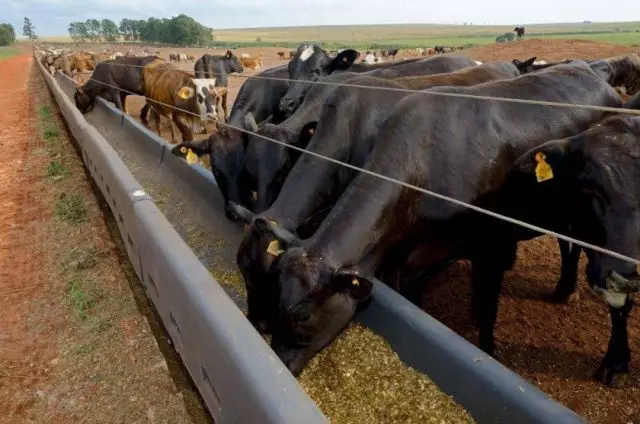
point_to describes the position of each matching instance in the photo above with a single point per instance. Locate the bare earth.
(74, 345)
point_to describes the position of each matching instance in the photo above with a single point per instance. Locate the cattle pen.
(241, 380)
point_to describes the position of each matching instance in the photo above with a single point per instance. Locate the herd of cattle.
(317, 232)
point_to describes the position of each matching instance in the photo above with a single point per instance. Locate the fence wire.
(421, 190)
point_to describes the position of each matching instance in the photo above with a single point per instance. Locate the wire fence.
(421, 190)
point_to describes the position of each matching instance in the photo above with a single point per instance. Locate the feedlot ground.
(77, 337)
(556, 347)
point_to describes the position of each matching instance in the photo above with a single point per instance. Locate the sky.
(52, 17)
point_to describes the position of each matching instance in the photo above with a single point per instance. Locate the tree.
(7, 34)
(28, 29)
(93, 28)
(126, 28)
(138, 28)
(78, 32)
(109, 30)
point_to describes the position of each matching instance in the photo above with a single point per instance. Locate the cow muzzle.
(618, 284)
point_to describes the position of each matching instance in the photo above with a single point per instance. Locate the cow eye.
(200, 98)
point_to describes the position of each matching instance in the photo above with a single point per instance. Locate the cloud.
(51, 17)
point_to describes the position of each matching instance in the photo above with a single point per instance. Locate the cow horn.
(619, 284)
(250, 122)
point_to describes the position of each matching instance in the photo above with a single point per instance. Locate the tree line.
(181, 30)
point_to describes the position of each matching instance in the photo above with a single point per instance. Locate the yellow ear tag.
(185, 93)
(183, 149)
(355, 282)
(191, 157)
(543, 169)
(274, 248)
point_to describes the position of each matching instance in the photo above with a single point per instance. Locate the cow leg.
(614, 369)
(115, 95)
(123, 101)
(224, 105)
(486, 280)
(143, 114)
(565, 291)
(184, 128)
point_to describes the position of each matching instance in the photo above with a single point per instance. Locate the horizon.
(65, 34)
(52, 17)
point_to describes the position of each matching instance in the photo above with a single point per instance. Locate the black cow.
(595, 189)
(109, 76)
(321, 280)
(227, 147)
(519, 30)
(312, 63)
(218, 67)
(348, 123)
(270, 163)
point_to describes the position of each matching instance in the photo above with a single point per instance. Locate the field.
(414, 35)
(556, 347)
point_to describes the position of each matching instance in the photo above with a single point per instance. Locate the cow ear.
(343, 60)
(530, 61)
(245, 214)
(282, 236)
(358, 287)
(185, 93)
(552, 161)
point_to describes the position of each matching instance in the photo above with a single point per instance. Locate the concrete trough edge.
(238, 375)
(487, 389)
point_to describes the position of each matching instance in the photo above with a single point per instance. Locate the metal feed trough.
(239, 376)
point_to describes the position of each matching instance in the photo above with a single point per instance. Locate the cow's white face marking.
(204, 89)
(306, 53)
(478, 62)
(539, 62)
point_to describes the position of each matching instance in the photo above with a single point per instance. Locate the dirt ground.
(556, 347)
(77, 342)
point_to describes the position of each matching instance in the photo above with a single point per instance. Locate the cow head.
(227, 151)
(309, 64)
(306, 300)
(205, 94)
(234, 63)
(84, 102)
(620, 71)
(269, 162)
(595, 175)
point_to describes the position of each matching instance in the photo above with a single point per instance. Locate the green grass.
(80, 300)
(57, 170)
(419, 35)
(71, 208)
(50, 133)
(45, 112)
(8, 51)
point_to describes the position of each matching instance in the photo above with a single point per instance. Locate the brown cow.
(254, 63)
(177, 95)
(281, 55)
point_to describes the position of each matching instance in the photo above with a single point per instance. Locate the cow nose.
(231, 215)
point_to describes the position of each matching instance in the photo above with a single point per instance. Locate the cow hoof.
(612, 378)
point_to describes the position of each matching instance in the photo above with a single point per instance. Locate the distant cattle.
(179, 96)
(253, 63)
(281, 55)
(245, 55)
(182, 57)
(519, 30)
(191, 58)
(174, 57)
(219, 67)
(390, 53)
